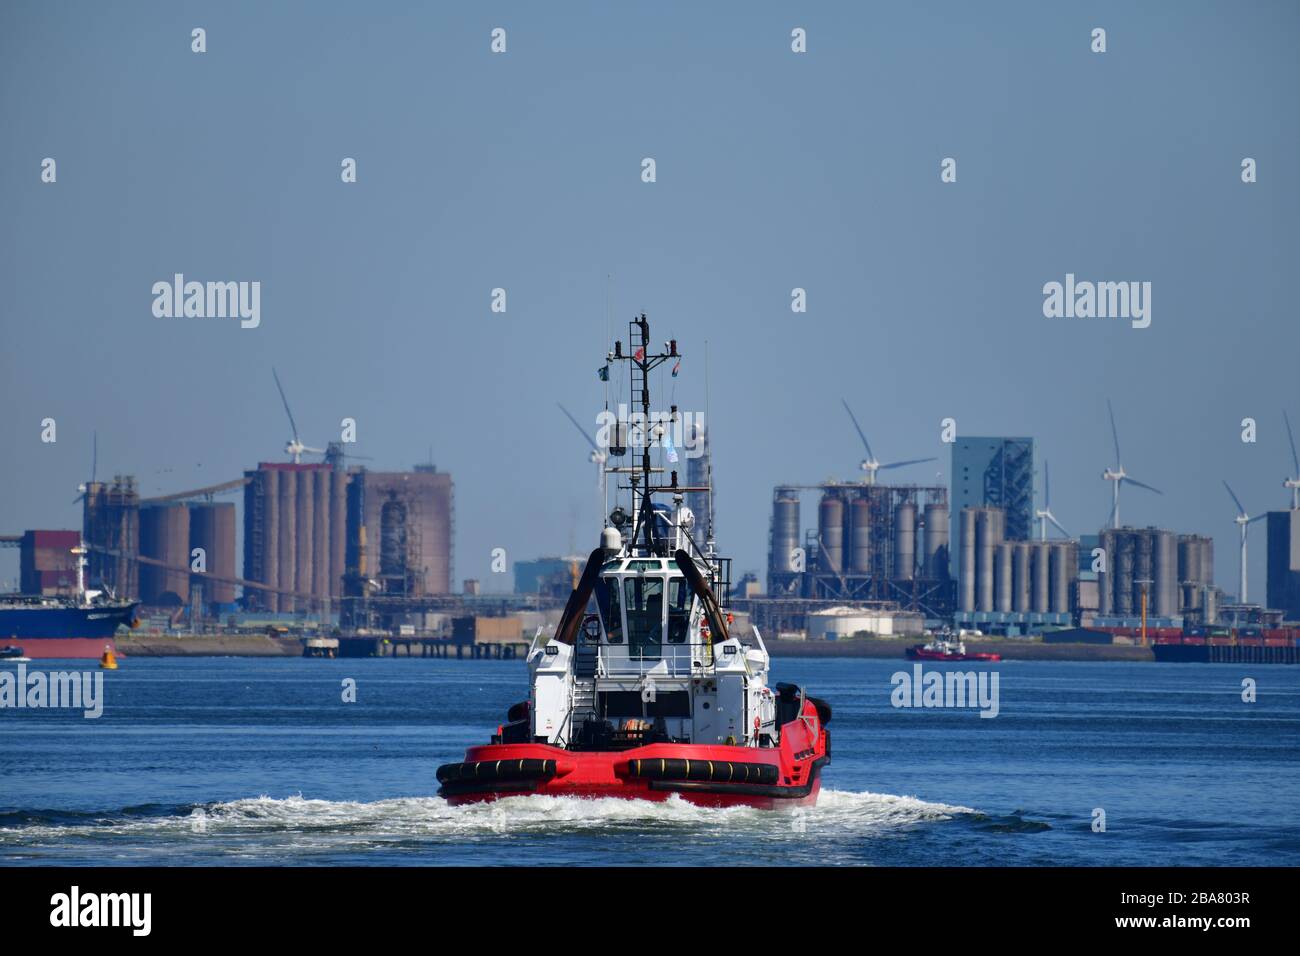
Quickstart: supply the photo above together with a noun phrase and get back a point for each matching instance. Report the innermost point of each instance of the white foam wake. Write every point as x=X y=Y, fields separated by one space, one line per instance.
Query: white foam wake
x=843 y=813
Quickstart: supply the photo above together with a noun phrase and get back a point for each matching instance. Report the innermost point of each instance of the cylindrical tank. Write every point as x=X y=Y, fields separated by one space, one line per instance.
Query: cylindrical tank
x=905 y=541
x=1063 y=575
x=306 y=548
x=320 y=535
x=1189 y=560
x=987 y=537
x=1124 y=567
x=165 y=536
x=1020 y=580
x=1106 y=578
x=1041 y=570
x=830 y=528
x=860 y=523
x=1166 y=574
x=212 y=528
x=270 y=479
x=966 y=566
x=287 y=560
x=935 y=565
x=1207 y=560
x=1002 y=576
x=785 y=530
x=339 y=529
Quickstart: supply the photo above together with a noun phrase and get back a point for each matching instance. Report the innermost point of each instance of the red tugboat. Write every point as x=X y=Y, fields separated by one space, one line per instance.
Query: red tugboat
x=643 y=691
x=946 y=649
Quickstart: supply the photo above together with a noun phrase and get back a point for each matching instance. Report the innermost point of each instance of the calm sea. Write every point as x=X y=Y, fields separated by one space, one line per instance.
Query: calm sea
x=237 y=761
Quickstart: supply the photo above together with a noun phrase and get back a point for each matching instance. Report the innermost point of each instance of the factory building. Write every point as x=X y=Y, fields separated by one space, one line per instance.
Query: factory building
x=995 y=473
x=111 y=529
x=1176 y=573
x=400 y=531
x=871 y=542
x=46 y=562
x=294 y=534
x=1006 y=576
x=1284 y=563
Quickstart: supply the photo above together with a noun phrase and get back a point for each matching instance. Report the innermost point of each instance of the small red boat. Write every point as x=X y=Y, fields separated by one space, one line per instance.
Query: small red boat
x=647 y=693
x=941 y=649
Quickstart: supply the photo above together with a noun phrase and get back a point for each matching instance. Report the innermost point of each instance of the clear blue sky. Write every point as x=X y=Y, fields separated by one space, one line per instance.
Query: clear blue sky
x=775 y=170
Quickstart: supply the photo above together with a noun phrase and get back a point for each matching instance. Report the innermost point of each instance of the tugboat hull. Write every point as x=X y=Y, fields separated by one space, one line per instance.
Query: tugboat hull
x=705 y=775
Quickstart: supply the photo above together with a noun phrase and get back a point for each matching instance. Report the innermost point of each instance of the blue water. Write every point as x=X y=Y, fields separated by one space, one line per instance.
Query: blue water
x=237 y=761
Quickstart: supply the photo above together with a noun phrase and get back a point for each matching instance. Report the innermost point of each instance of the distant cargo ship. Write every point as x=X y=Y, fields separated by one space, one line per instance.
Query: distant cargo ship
x=46 y=627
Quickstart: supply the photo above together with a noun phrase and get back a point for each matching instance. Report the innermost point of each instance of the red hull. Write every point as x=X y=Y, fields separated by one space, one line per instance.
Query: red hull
x=61 y=648
x=705 y=775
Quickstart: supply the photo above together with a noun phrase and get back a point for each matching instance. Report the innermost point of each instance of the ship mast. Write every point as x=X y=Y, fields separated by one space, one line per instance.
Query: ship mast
x=643 y=362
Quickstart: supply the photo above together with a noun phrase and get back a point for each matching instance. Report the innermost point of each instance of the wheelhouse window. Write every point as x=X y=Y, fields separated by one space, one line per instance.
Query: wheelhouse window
x=644 y=597
x=679 y=610
x=607 y=599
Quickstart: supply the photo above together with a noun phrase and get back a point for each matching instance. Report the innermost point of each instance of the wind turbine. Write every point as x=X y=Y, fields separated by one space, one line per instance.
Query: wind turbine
x=1118 y=474
x=1244 y=522
x=1044 y=514
x=295 y=448
x=1292 y=483
x=869 y=464
x=597 y=458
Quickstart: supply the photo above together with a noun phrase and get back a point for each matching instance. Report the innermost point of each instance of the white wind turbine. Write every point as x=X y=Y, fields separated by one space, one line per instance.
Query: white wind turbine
x=1044 y=514
x=597 y=457
x=294 y=448
x=1244 y=521
x=1292 y=483
x=1118 y=474
x=869 y=464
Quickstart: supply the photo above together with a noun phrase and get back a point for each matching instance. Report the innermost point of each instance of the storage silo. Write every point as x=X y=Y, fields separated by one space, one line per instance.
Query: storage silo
x=306 y=528
x=1106 y=578
x=1166 y=574
x=905 y=541
x=1125 y=559
x=1002 y=576
x=165 y=537
x=339 y=528
x=212 y=528
x=270 y=479
x=966 y=566
x=1064 y=569
x=987 y=537
x=1207 y=560
x=287 y=559
x=860 y=520
x=1020 y=580
x=320 y=535
x=785 y=530
x=830 y=529
x=1040 y=560
x=935 y=565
